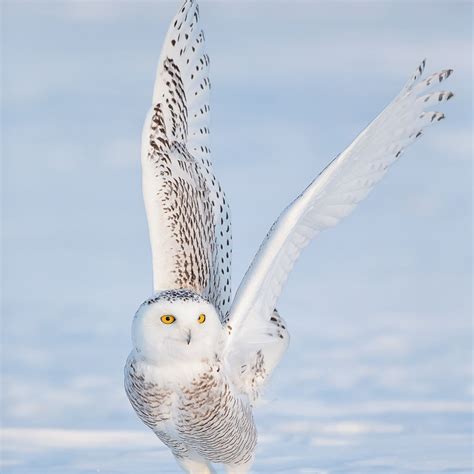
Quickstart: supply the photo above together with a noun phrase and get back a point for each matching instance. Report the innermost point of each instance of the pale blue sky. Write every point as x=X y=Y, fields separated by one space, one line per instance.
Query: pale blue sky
x=379 y=308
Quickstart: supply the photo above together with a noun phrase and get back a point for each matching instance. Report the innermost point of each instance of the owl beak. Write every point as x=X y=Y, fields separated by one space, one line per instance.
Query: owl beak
x=188 y=337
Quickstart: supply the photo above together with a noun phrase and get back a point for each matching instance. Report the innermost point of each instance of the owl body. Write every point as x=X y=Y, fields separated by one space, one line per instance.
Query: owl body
x=178 y=386
x=195 y=412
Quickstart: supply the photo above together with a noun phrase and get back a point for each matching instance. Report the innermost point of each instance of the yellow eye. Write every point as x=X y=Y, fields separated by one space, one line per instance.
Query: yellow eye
x=202 y=318
x=168 y=319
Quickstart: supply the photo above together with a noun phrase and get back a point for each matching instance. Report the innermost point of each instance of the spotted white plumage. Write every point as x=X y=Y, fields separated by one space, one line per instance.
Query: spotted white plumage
x=188 y=214
x=198 y=364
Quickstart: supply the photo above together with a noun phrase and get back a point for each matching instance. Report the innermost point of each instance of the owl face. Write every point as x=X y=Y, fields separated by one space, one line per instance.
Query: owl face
x=177 y=325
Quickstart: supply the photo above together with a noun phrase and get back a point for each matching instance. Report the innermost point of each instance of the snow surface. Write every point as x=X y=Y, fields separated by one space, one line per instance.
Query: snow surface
x=378 y=375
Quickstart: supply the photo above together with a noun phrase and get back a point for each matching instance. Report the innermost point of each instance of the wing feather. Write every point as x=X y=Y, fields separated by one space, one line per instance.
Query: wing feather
x=328 y=199
x=187 y=211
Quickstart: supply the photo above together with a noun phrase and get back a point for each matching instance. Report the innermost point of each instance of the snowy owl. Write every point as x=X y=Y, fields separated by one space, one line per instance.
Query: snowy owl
x=200 y=359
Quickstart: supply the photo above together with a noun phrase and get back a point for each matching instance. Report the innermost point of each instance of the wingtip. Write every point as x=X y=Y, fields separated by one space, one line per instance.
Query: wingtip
x=444 y=74
x=421 y=67
x=416 y=75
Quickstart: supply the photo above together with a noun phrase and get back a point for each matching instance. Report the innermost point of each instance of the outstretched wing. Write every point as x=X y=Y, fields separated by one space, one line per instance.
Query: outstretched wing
x=329 y=198
x=188 y=215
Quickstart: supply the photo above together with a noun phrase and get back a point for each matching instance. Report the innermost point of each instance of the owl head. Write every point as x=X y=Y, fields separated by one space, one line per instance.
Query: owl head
x=176 y=325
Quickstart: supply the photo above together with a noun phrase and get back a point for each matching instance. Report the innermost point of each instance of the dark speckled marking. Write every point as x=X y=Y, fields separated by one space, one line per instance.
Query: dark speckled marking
x=205 y=415
x=192 y=201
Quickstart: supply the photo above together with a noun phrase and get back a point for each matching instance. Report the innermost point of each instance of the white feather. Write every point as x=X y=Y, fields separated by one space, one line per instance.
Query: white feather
x=328 y=199
x=191 y=234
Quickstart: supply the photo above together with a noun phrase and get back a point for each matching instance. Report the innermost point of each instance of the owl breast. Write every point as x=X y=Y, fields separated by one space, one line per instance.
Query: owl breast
x=200 y=416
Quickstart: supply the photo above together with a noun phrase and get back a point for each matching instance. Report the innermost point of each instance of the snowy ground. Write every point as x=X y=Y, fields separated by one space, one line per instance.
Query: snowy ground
x=378 y=375
x=391 y=405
